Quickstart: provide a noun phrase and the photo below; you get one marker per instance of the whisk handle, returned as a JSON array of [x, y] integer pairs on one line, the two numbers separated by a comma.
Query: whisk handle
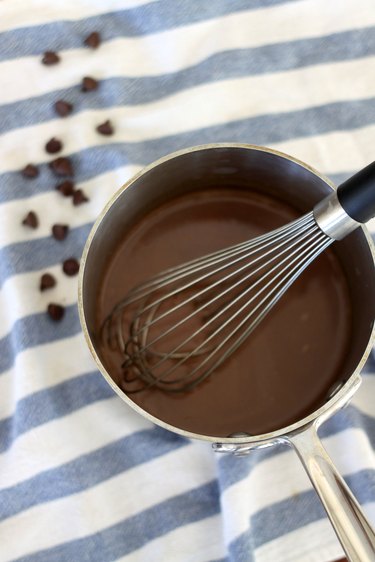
[[357, 194]]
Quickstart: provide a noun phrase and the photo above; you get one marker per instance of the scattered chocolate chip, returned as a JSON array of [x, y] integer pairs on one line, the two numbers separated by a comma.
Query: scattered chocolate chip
[[93, 40], [30, 171], [61, 166], [47, 281], [70, 267], [59, 231], [50, 58], [105, 128], [89, 84], [31, 220], [63, 108], [79, 197], [53, 145], [56, 311], [66, 188]]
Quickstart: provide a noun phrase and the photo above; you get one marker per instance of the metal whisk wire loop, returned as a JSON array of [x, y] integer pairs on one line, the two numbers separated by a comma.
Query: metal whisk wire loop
[[174, 330]]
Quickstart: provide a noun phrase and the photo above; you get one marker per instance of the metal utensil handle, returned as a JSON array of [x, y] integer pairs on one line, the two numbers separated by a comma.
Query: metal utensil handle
[[349, 522], [351, 204]]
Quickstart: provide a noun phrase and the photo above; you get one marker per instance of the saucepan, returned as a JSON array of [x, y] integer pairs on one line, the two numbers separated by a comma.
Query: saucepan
[[286, 178]]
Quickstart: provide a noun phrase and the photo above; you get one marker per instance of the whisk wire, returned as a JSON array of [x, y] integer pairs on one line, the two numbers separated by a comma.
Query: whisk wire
[[222, 280], [310, 251], [161, 280], [259, 273], [226, 265], [177, 273]]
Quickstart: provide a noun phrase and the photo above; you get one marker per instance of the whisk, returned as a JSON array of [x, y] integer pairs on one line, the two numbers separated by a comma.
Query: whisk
[[174, 330]]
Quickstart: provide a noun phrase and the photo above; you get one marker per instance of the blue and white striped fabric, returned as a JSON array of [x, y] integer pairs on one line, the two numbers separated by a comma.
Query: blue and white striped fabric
[[82, 477]]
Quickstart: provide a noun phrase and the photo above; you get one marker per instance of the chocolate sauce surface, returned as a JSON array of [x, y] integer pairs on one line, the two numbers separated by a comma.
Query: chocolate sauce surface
[[287, 366]]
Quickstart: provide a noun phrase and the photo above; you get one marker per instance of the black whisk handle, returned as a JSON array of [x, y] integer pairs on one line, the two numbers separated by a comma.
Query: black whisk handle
[[357, 194]]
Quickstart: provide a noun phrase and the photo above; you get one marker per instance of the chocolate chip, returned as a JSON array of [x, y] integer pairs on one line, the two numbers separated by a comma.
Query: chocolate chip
[[30, 171], [53, 145], [59, 231], [50, 58], [89, 84], [93, 40], [56, 311], [47, 281], [66, 188], [63, 108], [105, 128], [79, 197], [31, 220], [70, 267], [61, 166]]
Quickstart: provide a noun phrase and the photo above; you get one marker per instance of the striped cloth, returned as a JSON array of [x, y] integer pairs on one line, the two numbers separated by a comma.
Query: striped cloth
[[82, 477]]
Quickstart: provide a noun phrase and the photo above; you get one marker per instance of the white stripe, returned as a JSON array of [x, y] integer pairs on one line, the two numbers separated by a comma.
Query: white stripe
[[13, 14], [109, 502], [337, 152], [311, 543], [16, 299], [282, 477], [39, 368], [364, 397], [371, 226], [53, 208], [330, 153], [263, 487], [21, 297], [183, 544], [182, 47], [64, 439], [198, 107]]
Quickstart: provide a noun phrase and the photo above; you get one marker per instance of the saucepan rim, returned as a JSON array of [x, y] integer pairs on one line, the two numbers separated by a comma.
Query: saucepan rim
[[316, 417]]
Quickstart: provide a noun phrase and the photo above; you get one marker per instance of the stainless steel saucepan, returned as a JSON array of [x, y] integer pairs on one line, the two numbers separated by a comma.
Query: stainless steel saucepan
[[286, 178]]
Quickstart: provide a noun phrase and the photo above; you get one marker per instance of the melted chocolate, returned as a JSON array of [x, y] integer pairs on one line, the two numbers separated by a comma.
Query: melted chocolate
[[285, 369]]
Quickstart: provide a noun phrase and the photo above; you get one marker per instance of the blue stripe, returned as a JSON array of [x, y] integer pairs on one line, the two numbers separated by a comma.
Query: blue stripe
[[36, 330], [71, 395], [262, 130], [300, 510], [39, 254], [51, 403], [42, 253], [291, 514], [242, 548], [234, 469], [133, 22], [89, 470], [369, 368], [105, 463], [115, 92], [133, 533], [346, 418]]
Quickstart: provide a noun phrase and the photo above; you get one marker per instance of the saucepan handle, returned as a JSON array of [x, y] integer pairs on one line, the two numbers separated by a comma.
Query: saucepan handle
[[349, 522]]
